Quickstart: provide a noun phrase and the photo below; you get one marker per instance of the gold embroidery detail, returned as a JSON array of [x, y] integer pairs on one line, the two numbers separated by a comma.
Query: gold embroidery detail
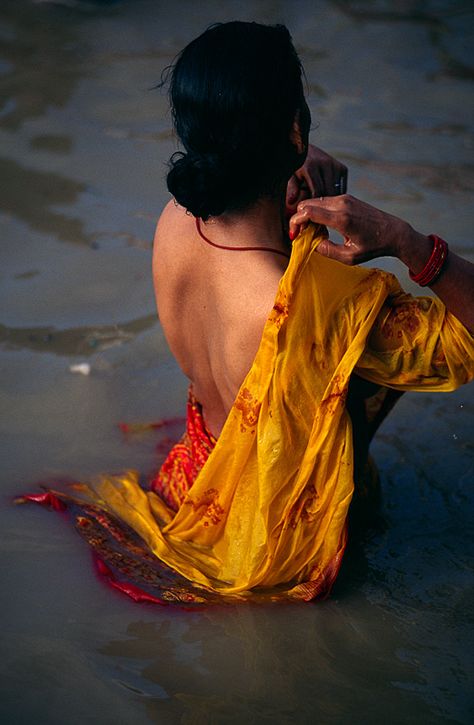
[[249, 407], [305, 509], [407, 316], [207, 507], [280, 309]]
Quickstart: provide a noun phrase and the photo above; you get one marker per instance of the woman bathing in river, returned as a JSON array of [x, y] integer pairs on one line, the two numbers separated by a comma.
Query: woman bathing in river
[[294, 355]]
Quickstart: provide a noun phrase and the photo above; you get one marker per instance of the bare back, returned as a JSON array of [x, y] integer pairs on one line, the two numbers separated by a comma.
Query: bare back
[[212, 305]]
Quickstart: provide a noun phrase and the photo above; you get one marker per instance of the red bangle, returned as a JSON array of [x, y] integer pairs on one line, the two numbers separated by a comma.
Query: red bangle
[[435, 263]]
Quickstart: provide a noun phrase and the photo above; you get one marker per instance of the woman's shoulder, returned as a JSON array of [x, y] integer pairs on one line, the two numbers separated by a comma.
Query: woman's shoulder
[[174, 219], [175, 226]]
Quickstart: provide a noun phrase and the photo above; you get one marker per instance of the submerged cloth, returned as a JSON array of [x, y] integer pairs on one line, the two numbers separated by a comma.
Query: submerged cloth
[[267, 511]]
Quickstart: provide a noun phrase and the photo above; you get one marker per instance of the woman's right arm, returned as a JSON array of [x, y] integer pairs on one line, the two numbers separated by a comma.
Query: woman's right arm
[[370, 233]]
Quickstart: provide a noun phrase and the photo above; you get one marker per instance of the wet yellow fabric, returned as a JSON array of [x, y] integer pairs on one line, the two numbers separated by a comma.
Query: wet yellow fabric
[[269, 508]]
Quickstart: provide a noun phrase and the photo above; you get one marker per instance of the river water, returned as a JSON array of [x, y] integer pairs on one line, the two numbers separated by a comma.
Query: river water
[[84, 141]]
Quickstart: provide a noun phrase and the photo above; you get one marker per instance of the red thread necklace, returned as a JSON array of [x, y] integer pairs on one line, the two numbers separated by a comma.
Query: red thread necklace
[[238, 249]]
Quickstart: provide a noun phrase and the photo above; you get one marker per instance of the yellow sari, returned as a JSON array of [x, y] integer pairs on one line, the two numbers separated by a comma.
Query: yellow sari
[[268, 510]]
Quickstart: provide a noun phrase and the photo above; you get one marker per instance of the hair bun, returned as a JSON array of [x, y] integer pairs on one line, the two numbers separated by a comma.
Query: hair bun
[[197, 181]]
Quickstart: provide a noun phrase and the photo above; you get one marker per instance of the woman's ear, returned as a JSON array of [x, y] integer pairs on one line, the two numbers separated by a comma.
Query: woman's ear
[[296, 136]]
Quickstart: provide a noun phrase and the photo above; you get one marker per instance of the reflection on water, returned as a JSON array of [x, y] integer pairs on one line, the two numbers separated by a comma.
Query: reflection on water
[[41, 46], [281, 665], [29, 196], [381, 10], [448, 129], [437, 17], [82, 341], [444, 177], [84, 151], [53, 143]]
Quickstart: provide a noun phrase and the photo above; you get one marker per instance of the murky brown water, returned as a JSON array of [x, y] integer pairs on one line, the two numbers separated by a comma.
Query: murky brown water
[[83, 147]]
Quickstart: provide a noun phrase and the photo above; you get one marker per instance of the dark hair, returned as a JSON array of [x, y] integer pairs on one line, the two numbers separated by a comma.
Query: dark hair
[[235, 92]]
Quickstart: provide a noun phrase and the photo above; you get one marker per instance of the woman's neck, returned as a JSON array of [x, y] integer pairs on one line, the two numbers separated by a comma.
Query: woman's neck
[[262, 225]]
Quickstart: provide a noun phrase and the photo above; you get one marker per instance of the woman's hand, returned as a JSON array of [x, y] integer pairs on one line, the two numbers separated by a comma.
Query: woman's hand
[[320, 175], [368, 232]]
